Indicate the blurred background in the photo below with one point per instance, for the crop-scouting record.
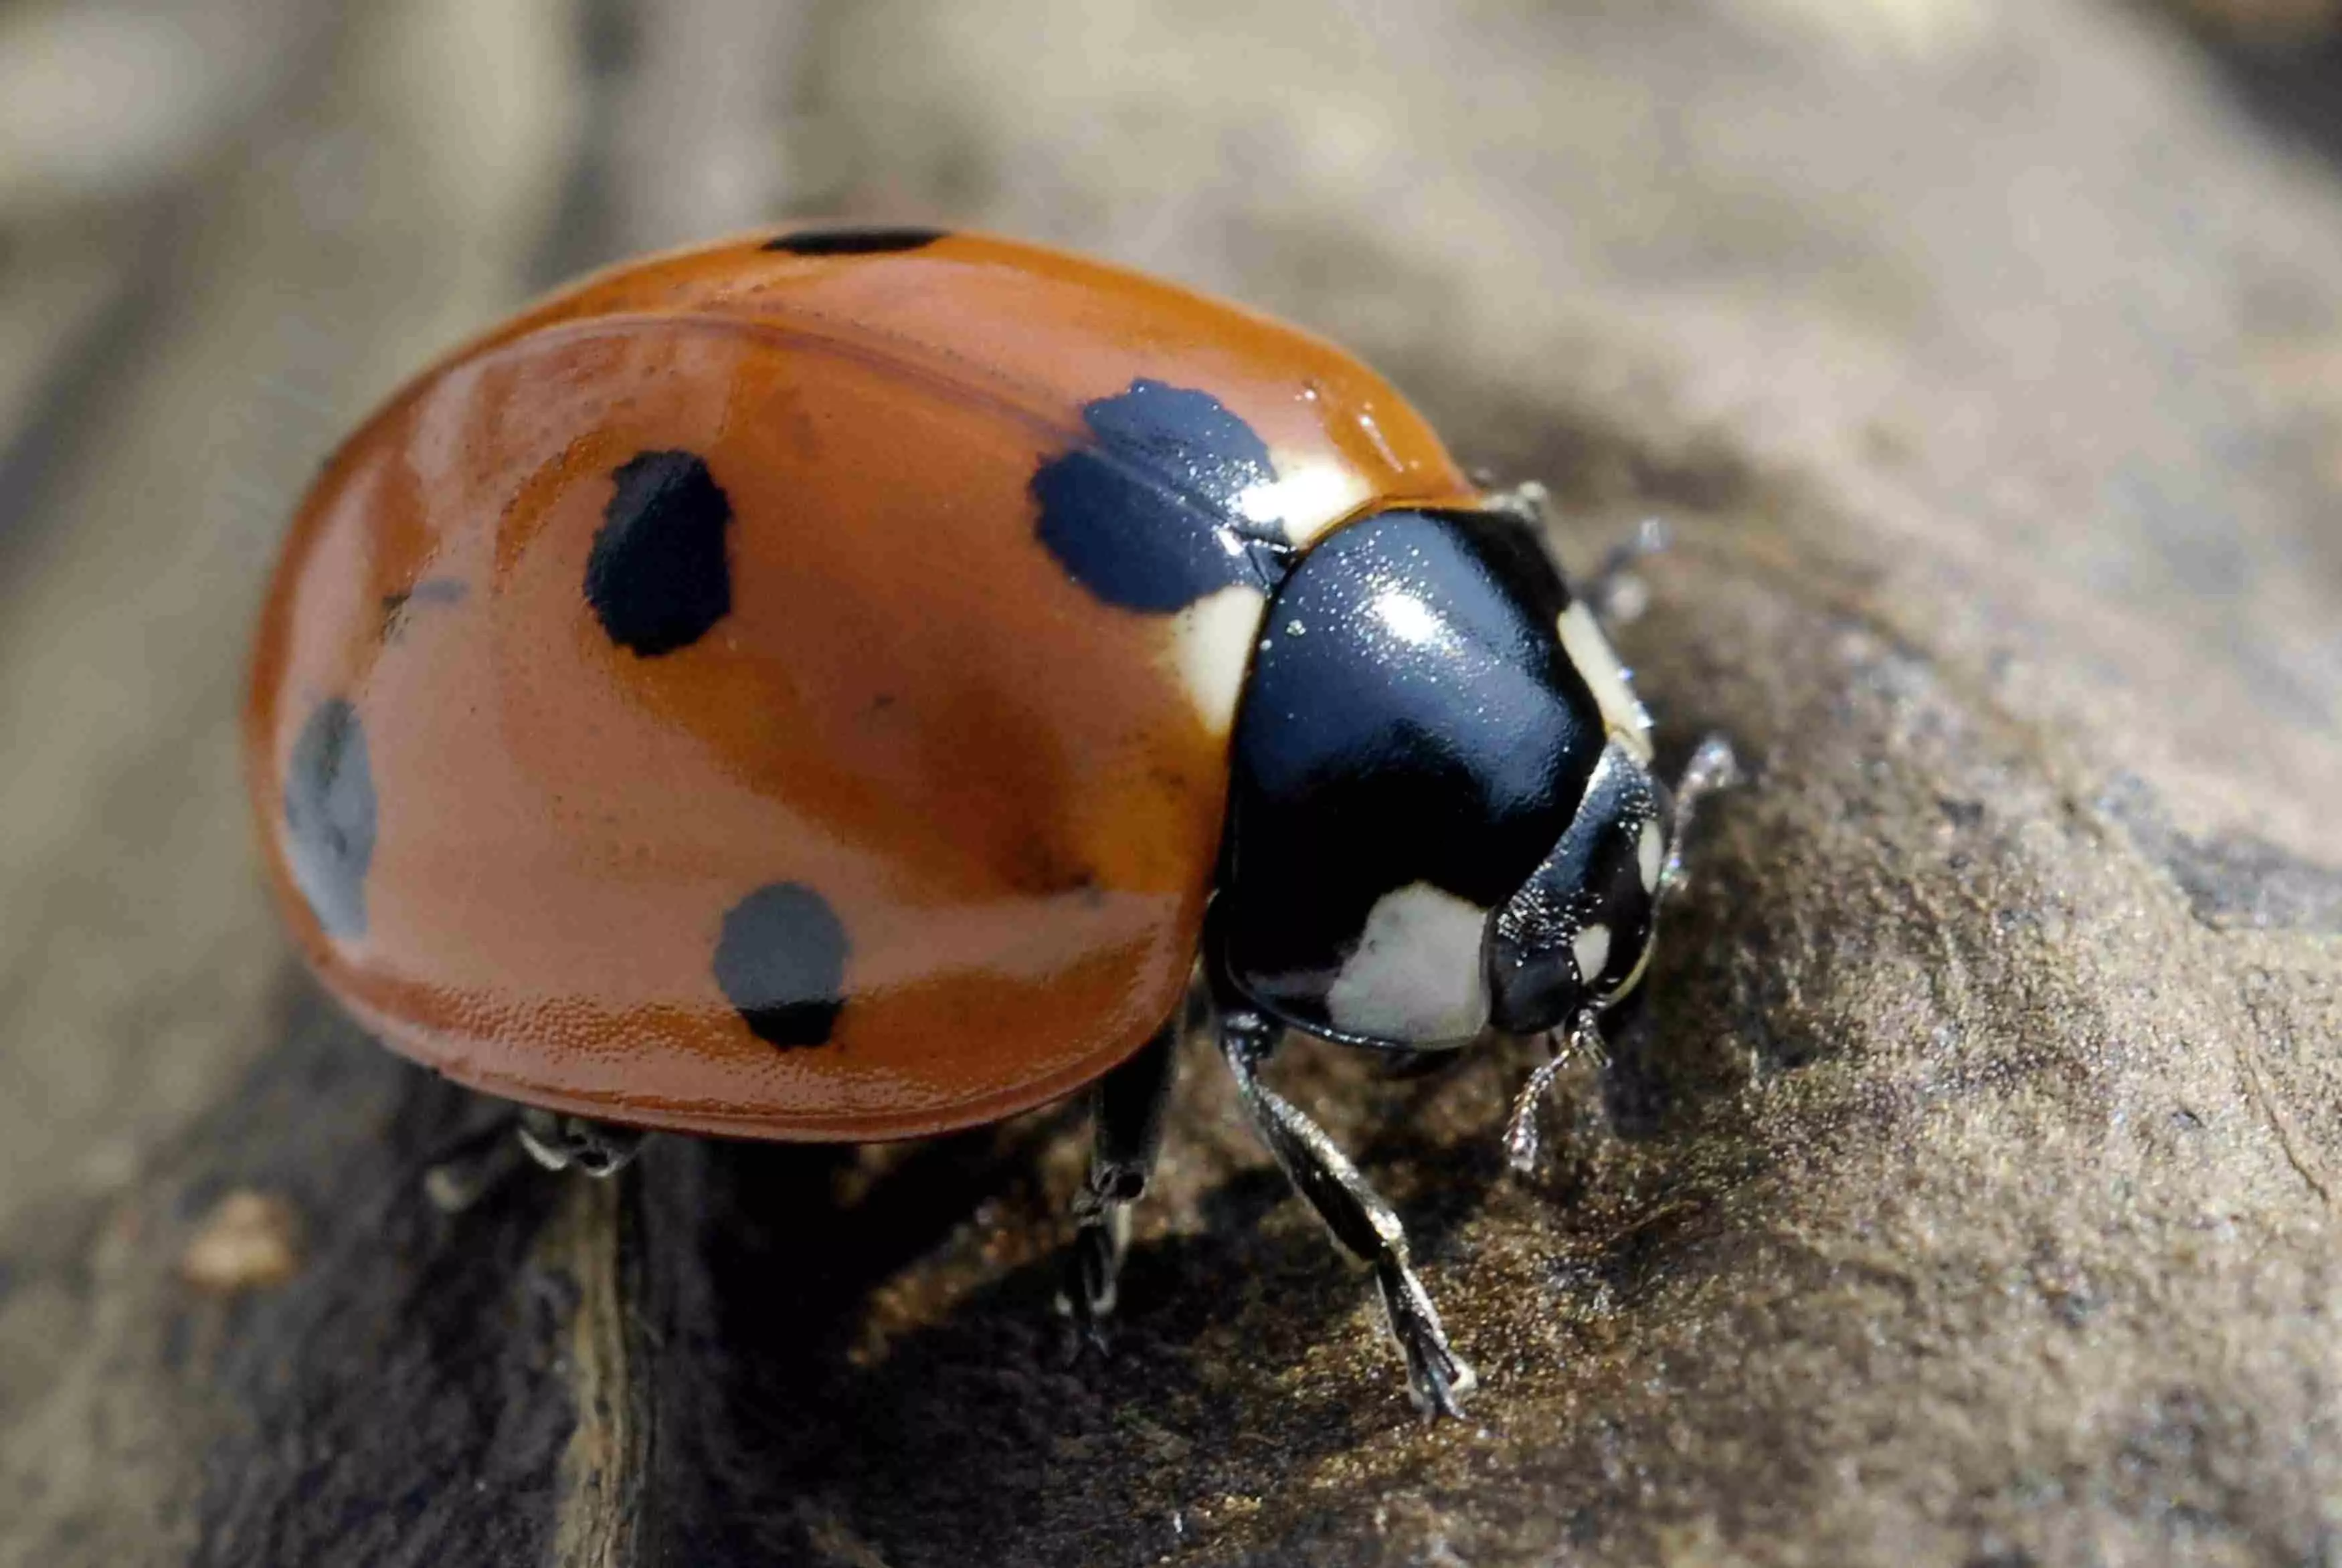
(2021, 320)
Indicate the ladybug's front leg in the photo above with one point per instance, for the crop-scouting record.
(1127, 1117)
(1437, 1378)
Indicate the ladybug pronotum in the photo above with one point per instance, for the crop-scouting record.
(846, 685)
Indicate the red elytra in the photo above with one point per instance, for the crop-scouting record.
(675, 707)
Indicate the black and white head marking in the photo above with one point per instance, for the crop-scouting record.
(1415, 739)
(658, 577)
(1578, 933)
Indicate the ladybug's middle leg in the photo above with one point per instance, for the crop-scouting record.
(1128, 1116)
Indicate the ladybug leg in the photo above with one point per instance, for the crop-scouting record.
(1526, 501)
(561, 1143)
(1618, 596)
(481, 1160)
(1126, 1116)
(1712, 767)
(1614, 591)
(1523, 1142)
(1437, 1378)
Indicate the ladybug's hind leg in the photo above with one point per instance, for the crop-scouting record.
(483, 1159)
(563, 1143)
(1437, 1378)
(1126, 1114)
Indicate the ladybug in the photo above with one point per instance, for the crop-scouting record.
(844, 686)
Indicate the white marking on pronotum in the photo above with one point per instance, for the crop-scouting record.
(1415, 973)
(1308, 496)
(1211, 645)
(1651, 856)
(1591, 949)
(1589, 650)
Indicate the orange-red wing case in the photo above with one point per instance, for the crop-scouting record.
(735, 695)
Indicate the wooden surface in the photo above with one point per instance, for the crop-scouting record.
(1966, 1192)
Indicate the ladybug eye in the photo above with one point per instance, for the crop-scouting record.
(1533, 980)
(1578, 932)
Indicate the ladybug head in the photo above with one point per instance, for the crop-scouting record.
(1438, 823)
(1577, 935)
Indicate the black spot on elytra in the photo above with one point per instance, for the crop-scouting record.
(861, 242)
(329, 817)
(657, 577)
(781, 961)
(1144, 515)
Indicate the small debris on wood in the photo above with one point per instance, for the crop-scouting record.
(250, 1241)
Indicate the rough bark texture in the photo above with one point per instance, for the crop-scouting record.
(1966, 1191)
